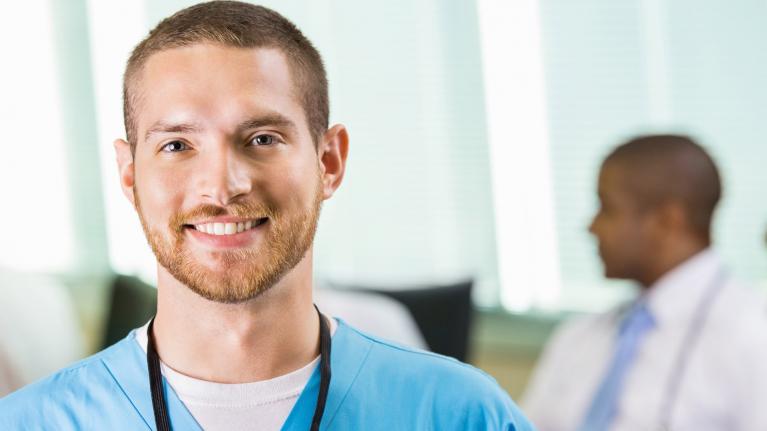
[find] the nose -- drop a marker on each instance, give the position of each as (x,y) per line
(224,176)
(593,226)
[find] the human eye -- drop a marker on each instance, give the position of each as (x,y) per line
(605,208)
(174,147)
(263,139)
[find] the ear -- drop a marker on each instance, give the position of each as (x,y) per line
(677,215)
(125,168)
(332,157)
(672,217)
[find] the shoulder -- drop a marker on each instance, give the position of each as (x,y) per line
(61,397)
(394,360)
(738,316)
(741,304)
(456,391)
(738,320)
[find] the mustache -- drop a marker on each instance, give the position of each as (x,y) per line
(250,210)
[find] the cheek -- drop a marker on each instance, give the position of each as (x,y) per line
(292,184)
(618,234)
(160,194)
(633,241)
(627,235)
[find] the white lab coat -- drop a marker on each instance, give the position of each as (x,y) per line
(722,379)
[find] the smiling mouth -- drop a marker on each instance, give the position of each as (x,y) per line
(222,229)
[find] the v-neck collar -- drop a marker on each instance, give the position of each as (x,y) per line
(127,365)
(349,352)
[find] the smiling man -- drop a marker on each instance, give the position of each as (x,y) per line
(227,160)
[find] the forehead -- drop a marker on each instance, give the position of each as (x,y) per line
(217,83)
(614,179)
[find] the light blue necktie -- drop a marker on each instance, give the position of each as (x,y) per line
(603,406)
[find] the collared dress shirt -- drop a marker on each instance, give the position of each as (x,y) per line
(702,367)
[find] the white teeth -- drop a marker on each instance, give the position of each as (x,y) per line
(225,228)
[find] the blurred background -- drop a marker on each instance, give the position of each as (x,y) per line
(477,130)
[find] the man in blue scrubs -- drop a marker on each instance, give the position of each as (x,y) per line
(227,160)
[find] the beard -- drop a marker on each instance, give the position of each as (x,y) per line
(240,274)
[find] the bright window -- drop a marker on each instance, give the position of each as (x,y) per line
(36,214)
(612,70)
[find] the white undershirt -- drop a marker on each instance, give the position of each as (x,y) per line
(263,405)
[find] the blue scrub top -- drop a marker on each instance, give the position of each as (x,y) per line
(375,385)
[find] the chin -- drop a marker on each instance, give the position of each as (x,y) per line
(616,275)
(230,289)
(611,272)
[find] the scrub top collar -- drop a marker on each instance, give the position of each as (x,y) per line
(127,365)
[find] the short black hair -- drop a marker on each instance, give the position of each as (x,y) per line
(671,168)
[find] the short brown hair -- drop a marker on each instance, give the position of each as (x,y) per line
(240,25)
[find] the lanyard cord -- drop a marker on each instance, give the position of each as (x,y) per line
(161,417)
(688,345)
(322,397)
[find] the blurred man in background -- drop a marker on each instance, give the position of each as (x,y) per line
(689,353)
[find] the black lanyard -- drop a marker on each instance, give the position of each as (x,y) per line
(162,420)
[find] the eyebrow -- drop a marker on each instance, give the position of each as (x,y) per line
(270,119)
(165,127)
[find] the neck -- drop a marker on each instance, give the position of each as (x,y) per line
(260,339)
(668,258)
